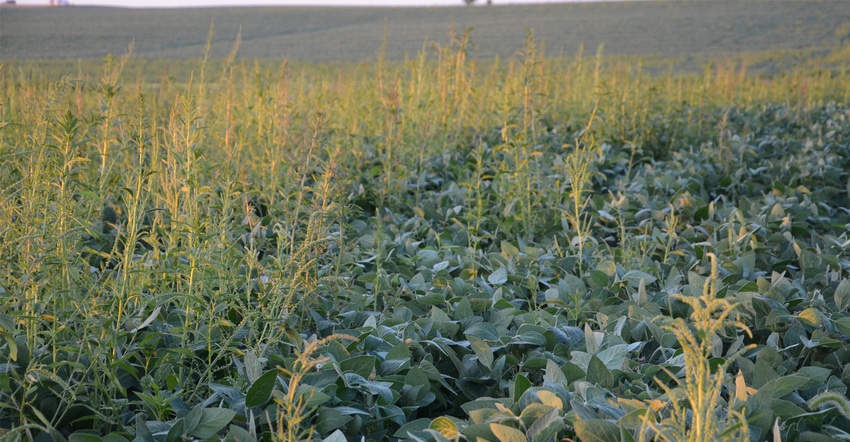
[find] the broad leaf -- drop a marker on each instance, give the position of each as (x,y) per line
(212,421)
(597,430)
(261,390)
(445,426)
(505,433)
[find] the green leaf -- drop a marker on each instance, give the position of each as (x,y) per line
(261,390)
(545,427)
(13,346)
(811,317)
(329,419)
(554,374)
(412,427)
(445,426)
(193,418)
(482,351)
(842,295)
(7,324)
(776,389)
(550,399)
(238,434)
(312,396)
(505,433)
(843,325)
(521,384)
(533,411)
(478,431)
(253,366)
(483,330)
(597,373)
(175,433)
(498,277)
(597,279)
(83,437)
(213,420)
(614,356)
(597,430)
(336,436)
(362,365)
(633,277)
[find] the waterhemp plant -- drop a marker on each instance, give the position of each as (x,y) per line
(535,249)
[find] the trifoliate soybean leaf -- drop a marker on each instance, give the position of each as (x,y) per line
(843,325)
(571,285)
(212,421)
(614,356)
(311,396)
(482,350)
(400,351)
(445,426)
(634,418)
(236,433)
(483,330)
(545,427)
(597,430)
(597,373)
(811,317)
(550,399)
(592,339)
(597,279)
(412,428)
(529,337)
(554,373)
(193,418)
(362,365)
(482,404)
(633,277)
(329,419)
(842,295)
(83,437)
(785,409)
(480,431)
(505,433)
(815,374)
(7,324)
(175,433)
(261,390)
(13,347)
(776,389)
(498,277)
(336,436)
(532,412)
(521,384)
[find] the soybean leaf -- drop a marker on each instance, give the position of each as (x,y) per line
(445,426)
(505,433)
(498,277)
(238,434)
(842,295)
(482,351)
(597,430)
(212,421)
(261,390)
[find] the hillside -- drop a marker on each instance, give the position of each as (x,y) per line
(666,28)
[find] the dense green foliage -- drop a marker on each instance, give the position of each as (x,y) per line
(536,249)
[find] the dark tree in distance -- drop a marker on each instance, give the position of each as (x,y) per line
(469,2)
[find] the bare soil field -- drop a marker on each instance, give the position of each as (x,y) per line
(662,28)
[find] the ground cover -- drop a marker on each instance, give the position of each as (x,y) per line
(437,249)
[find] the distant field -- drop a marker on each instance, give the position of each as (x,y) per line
(671,28)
